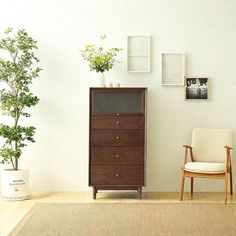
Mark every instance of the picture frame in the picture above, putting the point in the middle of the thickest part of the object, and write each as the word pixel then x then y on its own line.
pixel 138 54
pixel 197 88
pixel 172 69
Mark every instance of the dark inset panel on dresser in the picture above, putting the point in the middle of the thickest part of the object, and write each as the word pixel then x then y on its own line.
pixel 121 101
pixel 117 175
pixel 130 138
pixel 117 122
pixel 133 156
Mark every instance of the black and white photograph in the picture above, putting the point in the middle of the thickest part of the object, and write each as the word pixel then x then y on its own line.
pixel 196 88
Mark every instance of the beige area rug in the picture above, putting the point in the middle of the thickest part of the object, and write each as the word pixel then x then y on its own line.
pixel 125 219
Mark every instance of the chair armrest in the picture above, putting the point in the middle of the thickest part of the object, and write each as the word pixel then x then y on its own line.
pixel 228 147
pixel 187 146
pixel 228 159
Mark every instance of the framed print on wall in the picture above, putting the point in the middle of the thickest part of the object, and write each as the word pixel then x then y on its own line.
pixel 138 54
pixel 172 68
pixel 196 88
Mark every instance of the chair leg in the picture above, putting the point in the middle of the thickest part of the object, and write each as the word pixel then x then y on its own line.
pixel 226 187
pixel 191 186
pixel 182 186
pixel 231 181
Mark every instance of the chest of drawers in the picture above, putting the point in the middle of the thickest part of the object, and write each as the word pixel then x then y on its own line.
pixel 117 140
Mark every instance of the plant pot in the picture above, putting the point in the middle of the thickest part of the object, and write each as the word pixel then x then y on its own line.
pixel 99 79
pixel 15 185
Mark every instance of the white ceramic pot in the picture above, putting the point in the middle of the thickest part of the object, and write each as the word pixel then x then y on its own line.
pixel 15 185
pixel 99 80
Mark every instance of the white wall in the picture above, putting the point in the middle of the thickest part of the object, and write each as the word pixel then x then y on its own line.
pixel 205 30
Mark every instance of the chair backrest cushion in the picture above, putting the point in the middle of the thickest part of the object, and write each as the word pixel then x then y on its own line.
pixel 208 144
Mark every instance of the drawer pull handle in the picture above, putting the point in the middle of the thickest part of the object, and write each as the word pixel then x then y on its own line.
pixel 117 138
pixel 117 122
pixel 117 175
pixel 118 114
pixel 117 155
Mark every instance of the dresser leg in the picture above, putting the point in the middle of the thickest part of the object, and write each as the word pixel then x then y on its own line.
pixel 94 192
pixel 139 192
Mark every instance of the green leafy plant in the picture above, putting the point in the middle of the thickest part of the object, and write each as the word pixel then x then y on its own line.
pixel 99 59
pixel 18 68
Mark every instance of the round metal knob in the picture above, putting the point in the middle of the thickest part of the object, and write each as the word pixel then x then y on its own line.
pixel 117 155
pixel 117 138
pixel 117 175
pixel 118 114
pixel 117 122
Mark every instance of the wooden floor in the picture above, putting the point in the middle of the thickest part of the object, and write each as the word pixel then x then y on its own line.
pixel 12 212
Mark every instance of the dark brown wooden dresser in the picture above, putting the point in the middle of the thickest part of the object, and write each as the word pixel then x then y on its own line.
pixel 117 140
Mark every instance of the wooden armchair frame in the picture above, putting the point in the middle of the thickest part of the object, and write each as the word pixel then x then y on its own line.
pixel 192 175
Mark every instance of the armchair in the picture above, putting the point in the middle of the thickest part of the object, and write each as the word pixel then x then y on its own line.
pixel 210 155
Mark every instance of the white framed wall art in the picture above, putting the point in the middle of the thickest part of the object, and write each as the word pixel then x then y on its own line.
pixel 172 69
pixel 138 53
pixel 197 88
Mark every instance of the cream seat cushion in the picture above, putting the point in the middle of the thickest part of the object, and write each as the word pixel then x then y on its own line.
pixel 205 167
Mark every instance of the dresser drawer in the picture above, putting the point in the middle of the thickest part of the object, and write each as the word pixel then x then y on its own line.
pixel 118 175
pixel 117 156
pixel 117 138
pixel 117 122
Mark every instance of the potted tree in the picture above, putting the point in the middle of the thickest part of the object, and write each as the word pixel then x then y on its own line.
pixel 18 69
pixel 100 60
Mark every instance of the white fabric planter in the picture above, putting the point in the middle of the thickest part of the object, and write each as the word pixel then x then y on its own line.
pixel 15 185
